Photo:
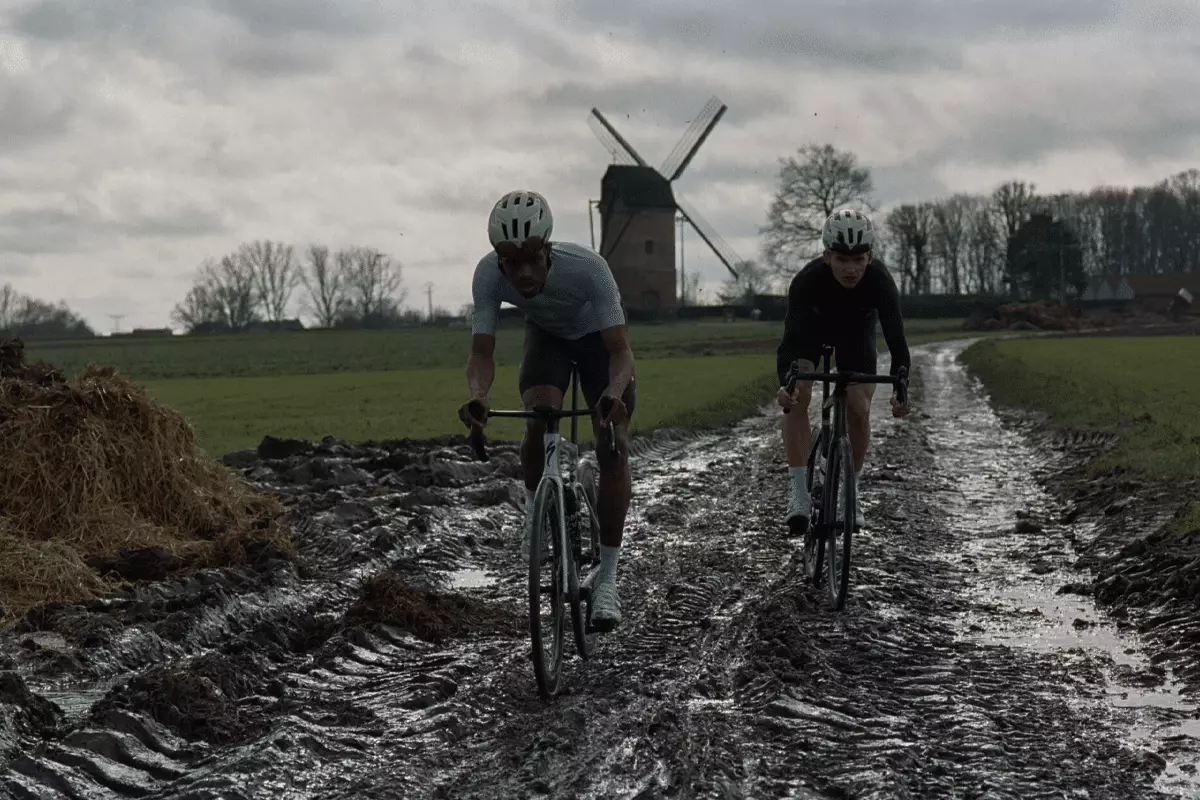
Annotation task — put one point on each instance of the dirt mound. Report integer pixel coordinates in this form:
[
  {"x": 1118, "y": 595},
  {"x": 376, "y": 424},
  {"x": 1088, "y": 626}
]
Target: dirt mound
[
  {"x": 99, "y": 484},
  {"x": 429, "y": 615},
  {"x": 1041, "y": 315},
  {"x": 186, "y": 701}
]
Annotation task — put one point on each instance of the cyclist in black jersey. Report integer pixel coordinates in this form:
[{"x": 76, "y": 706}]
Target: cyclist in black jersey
[{"x": 836, "y": 299}]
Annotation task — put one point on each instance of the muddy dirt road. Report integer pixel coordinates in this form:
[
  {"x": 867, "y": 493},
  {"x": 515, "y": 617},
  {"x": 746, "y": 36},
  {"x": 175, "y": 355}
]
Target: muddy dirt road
[{"x": 960, "y": 668}]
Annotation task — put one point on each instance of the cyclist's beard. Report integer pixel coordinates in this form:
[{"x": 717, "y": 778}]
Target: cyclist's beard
[{"x": 529, "y": 288}]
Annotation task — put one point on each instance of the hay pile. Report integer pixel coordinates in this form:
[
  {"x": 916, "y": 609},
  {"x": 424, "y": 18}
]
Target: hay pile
[
  {"x": 91, "y": 471},
  {"x": 1040, "y": 315}
]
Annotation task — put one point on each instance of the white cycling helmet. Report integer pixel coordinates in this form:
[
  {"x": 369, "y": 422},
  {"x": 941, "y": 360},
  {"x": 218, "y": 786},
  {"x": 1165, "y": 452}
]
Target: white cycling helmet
[
  {"x": 848, "y": 231},
  {"x": 518, "y": 216}
]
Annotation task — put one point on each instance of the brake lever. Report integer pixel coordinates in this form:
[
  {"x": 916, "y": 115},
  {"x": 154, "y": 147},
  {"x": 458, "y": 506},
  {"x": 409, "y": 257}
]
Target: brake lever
[
  {"x": 475, "y": 435},
  {"x": 605, "y": 408}
]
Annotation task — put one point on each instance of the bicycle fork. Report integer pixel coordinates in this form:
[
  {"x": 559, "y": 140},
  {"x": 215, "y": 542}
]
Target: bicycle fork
[{"x": 552, "y": 470}]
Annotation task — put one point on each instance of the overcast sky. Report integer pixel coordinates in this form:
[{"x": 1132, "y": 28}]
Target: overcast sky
[{"x": 142, "y": 136}]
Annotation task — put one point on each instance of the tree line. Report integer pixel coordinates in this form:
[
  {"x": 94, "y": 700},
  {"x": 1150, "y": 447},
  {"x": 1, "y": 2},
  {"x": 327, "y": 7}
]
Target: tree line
[
  {"x": 27, "y": 317},
  {"x": 355, "y": 287},
  {"x": 1011, "y": 242}
]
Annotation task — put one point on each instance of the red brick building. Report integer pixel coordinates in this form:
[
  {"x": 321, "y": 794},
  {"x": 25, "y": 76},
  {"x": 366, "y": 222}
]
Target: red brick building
[{"x": 637, "y": 236}]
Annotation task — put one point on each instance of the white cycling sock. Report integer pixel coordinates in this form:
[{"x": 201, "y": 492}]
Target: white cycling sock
[
  {"x": 608, "y": 563},
  {"x": 799, "y": 479}
]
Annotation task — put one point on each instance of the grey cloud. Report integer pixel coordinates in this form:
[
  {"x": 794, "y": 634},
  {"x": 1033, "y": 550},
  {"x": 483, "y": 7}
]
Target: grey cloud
[
  {"x": 270, "y": 18},
  {"x": 875, "y": 34},
  {"x": 57, "y": 230},
  {"x": 42, "y": 230},
  {"x": 145, "y": 19},
  {"x": 672, "y": 103},
  {"x": 281, "y": 39},
  {"x": 31, "y": 115}
]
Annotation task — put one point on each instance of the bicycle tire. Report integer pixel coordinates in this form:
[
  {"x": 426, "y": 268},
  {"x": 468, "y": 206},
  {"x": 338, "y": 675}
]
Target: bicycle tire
[
  {"x": 814, "y": 539},
  {"x": 546, "y": 505},
  {"x": 581, "y": 607},
  {"x": 588, "y": 477},
  {"x": 841, "y": 478}
]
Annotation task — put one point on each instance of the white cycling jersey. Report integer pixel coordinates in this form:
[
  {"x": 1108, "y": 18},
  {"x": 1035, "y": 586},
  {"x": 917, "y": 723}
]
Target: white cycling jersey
[{"x": 580, "y": 295}]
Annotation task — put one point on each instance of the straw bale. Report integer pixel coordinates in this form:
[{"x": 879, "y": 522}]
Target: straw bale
[{"x": 91, "y": 469}]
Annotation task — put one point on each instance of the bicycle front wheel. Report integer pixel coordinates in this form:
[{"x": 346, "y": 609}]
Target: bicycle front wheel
[
  {"x": 840, "y": 502},
  {"x": 814, "y": 537},
  {"x": 546, "y": 589}
]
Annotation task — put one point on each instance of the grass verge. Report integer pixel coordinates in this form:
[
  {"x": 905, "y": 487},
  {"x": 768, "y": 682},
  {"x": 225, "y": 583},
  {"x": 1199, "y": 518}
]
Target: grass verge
[
  {"x": 691, "y": 393},
  {"x": 1144, "y": 389}
]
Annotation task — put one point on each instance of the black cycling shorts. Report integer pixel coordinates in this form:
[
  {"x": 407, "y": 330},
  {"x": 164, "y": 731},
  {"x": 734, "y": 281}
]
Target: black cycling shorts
[
  {"x": 854, "y": 347},
  {"x": 546, "y": 361}
]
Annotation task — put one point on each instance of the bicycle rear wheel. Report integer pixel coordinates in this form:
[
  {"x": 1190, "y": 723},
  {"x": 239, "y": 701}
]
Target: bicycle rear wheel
[
  {"x": 546, "y": 632},
  {"x": 581, "y": 597},
  {"x": 814, "y": 537},
  {"x": 840, "y": 501}
]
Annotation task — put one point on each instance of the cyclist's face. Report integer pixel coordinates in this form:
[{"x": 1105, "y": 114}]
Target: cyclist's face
[
  {"x": 847, "y": 269},
  {"x": 526, "y": 271}
]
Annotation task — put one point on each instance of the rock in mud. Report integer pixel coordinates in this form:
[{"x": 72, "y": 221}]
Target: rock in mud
[{"x": 272, "y": 448}]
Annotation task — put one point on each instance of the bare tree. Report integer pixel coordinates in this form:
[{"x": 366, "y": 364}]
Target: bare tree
[
  {"x": 272, "y": 268},
  {"x": 911, "y": 226},
  {"x": 10, "y": 305},
  {"x": 691, "y": 289},
  {"x": 983, "y": 248},
  {"x": 949, "y": 216},
  {"x": 326, "y": 285},
  {"x": 752, "y": 279},
  {"x": 198, "y": 309},
  {"x": 811, "y": 188},
  {"x": 372, "y": 283},
  {"x": 223, "y": 296}
]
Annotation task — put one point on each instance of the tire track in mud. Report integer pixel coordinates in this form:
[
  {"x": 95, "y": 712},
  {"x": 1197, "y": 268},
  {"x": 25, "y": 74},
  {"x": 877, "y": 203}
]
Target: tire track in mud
[{"x": 728, "y": 677}]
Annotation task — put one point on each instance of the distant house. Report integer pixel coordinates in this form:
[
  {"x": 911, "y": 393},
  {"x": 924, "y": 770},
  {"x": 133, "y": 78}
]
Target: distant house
[
  {"x": 1108, "y": 289},
  {"x": 274, "y": 326},
  {"x": 1151, "y": 292},
  {"x": 141, "y": 333},
  {"x": 1161, "y": 289}
]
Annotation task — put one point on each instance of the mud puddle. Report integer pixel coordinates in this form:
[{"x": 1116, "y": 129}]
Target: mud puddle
[
  {"x": 729, "y": 678},
  {"x": 1021, "y": 558}
]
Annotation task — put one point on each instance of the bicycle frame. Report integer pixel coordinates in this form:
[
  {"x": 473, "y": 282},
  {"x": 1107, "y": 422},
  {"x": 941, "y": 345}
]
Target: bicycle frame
[{"x": 552, "y": 464}]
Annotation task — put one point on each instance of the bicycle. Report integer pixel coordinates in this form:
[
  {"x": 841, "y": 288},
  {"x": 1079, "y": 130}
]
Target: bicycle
[
  {"x": 831, "y": 447},
  {"x": 560, "y": 506}
]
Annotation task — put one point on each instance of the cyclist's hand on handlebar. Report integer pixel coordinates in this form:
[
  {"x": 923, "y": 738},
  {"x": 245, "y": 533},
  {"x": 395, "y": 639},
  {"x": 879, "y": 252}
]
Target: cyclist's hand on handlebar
[
  {"x": 899, "y": 410},
  {"x": 473, "y": 413},
  {"x": 787, "y": 399},
  {"x": 612, "y": 411}
]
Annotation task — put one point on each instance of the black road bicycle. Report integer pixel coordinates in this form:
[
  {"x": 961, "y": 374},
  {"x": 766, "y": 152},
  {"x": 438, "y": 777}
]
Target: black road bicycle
[
  {"x": 831, "y": 476},
  {"x": 564, "y": 513}
]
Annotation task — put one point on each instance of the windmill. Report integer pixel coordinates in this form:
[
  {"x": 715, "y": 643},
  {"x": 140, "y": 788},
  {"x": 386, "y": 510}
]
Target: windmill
[{"x": 637, "y": 208}]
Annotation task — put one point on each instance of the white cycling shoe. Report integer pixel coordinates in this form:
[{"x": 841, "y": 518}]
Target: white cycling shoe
[
  {"x": 606, "y": 606},
  {"x": 799, "y": 508}
]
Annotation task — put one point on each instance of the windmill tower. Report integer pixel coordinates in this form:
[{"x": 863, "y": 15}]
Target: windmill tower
[{"x": 637, "y": 208}]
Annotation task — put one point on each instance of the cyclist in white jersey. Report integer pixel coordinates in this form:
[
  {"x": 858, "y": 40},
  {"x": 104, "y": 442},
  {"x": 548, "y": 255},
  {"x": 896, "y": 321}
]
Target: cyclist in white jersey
[{"x": 573, "y": 312}]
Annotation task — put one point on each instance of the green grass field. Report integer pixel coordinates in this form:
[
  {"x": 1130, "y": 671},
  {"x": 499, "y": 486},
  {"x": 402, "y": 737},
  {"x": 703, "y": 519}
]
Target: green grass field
[
  {"x": 1145, "y": 389},
  {"x": 323, "y": 352},
  {"x": 359, "y": 385}
]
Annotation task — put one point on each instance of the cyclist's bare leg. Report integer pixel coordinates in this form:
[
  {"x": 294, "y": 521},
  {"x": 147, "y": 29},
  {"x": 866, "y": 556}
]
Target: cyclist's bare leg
[
  {"x": 532, "y": 451},
  {"x": 615, "y": 485},
  {"x": 858, "y": 420},
  {"x": 797, "y": 431}
]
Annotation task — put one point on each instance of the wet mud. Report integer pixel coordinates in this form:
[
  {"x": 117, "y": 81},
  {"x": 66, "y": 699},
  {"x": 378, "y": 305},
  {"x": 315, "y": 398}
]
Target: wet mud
[{"x": 388, "y": 657}]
